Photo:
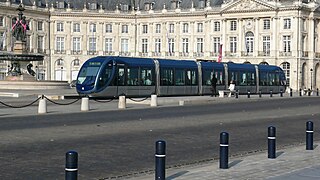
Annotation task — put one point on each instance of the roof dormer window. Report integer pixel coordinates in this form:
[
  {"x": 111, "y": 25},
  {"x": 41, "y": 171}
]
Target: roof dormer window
[
  {"x": 60, "y": 5},
  {"x": 125, "y": 7},
  {"x": 93, "y": 6},
  {"x": 201, "y": 4}
]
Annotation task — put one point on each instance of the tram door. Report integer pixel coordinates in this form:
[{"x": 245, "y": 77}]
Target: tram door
[{"x": 120, "y": 80}]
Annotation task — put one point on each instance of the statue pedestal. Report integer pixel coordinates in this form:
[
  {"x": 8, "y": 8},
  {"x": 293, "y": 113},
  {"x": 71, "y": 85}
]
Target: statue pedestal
[{"x": 19, "y": 47}]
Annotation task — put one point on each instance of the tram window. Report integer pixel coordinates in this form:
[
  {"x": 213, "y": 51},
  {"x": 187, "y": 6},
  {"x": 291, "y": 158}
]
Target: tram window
[
  {"x": 147, "y": 77},
  {"x": 263, "y": 79},
  {"x": 194, "y": 80},
  {"x": 105, "y": 76},
  {"x": 234, "y": 76},
  {"x": 166, "y": 78},
  {"x": 219, "y": 76},
  {"x": 277, "y": 79},
  {"x": 121, "y": 78},
  {"x": 206, "y": 77},
  {"x": 271, "y": 79},
  {"x": 243, "y": 79},
  {"x": 252, "y": 78},
  {"x": 132, "y": 75},
  {"x": 179, "y": 77}
]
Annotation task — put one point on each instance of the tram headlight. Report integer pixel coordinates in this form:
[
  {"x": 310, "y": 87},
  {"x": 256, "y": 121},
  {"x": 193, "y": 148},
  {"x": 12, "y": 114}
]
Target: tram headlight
[{"x": 82, "y": 88}]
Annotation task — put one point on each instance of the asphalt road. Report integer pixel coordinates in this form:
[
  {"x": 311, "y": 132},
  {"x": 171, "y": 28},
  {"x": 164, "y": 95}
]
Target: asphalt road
[{"x": 121, "y": 143}]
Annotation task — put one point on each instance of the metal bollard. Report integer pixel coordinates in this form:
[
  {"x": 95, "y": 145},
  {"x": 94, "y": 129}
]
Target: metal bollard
[
  {"x": 317, "y": 91},
  {"x": 309, "y": 92},
  {"x": 85, "y": 104},
  {"x": 271, "y": 142},
  {"x": 270, "y": 93},
  {"x": 224, "y": 150},
  {"x": 281, "y": 93},
  {"x": 290, "y": 92},
  {"x": 309, "y": 135},
  {"x": 122, "y": 102},
  {"x": 248, "y": 94},
  {"x": 260, "y": 94},
  {"x": 300, "y": 92},
  {"x": 237, "y": 94},
  {"x": 71, "y": 170},
  {"x": 42, "y": 108},
  {"x": 153, "y": 102},
  {"x": 160, "y": 160}
]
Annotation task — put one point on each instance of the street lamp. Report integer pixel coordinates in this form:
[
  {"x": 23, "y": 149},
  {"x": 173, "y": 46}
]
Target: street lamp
[{"x": 311, "y": 77}]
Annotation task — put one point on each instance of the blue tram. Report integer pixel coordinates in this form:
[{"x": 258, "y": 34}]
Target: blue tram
[{"x": 111, "y": 76}]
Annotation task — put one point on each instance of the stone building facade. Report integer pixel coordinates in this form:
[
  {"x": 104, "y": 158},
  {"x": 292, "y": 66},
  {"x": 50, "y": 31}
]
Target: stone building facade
[{"x": 275, "y": 32}]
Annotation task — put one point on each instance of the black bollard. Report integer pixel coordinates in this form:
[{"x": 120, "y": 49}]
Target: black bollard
[
  {"x": 309, "y": 92},
  {"x": 309, "y": 135},
  {"x": 224, "y": 150},
  {"x": 270, "y": 93},
  {"x": 317, "y": 91},
  {"x": 271, "y": 142},
  {"x": 248, "y": 94},
  {"x": 260, "y": 93},
  {"x": 71, "y": 170},
  {"x": 237, "y": 94},
  {"x": 281, "y": 93},
  {"x": 290, "y": 92},
  {"x": 300, "y": 92},
  {"x": 160, "y": 160}
]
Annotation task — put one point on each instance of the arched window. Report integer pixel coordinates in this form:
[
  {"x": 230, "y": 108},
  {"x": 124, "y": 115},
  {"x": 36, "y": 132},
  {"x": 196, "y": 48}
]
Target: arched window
[
  {"x": 304, "y": 76},
  {"x": 286, "y": 68},
  {"x": 59, "y": 62},
  {"x": 249, "y": 38},
  {"x": 76, "y": 62}
]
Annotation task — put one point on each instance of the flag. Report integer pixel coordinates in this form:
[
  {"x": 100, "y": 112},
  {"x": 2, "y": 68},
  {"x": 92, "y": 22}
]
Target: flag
[{"x": 220, "y": 53}]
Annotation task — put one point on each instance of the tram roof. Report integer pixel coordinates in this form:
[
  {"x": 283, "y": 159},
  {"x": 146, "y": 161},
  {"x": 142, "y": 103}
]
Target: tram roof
[
  {"x": 214, "y": 65},
  {"x": 263, "y": 67},
  {"x": 236, "y": 66},
  {"x": 168, "y": 63}
]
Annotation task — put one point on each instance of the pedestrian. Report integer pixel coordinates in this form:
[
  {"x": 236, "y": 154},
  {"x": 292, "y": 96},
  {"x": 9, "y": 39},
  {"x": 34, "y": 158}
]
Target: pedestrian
[{"x": 214, "y": 86}]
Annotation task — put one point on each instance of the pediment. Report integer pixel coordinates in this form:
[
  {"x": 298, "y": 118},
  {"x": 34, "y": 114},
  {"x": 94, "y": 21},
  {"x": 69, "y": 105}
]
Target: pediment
[{"x": 247, "y": 5}]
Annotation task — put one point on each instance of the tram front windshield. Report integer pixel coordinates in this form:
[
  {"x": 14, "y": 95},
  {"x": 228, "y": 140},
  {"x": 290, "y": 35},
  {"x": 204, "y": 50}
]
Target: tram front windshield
[{"x": 87, "y": 75}]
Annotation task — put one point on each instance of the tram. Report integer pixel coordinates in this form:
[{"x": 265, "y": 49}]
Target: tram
[{"x": 111, "y": 76}]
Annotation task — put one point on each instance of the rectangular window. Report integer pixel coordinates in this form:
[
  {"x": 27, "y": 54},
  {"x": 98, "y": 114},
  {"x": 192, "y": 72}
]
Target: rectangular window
[
  {"x": 158, "y": 45},
  {"x": 124, "y": 45},
  {"x": 144, "y": 45},
  {"x": 179, "y": 77},
  {"x": 60, "y": 44},
  {"x": 144, "y": 29},
  {"x": 185, "y": 45},
  {"x": 233, "y": 44},
  {"x": 92, "y": 44},
  {"x": 216, "y": 44},
  {"x": 158, "y": 28},
  {"x": 108, "y": 28},
  {"x": 93, "y": 27},
  {"x": 40, "y": 25},
  {"x": 147, "y": 77},
  {"x": 200, "y": 27},
  {"x": 216, "y": 26},
  {"x": 266, "y": 24},
  {"x": 266, "y": 45},
  {"x": 76, "y": 44},
  {"x": 108, "y": 46},
  {"x": 171, "y": 45},
  {"x": 76, "y": 27},
  {"x": 287, "y": 23},
  {"x": 60, "y": 27},
  {"x": 124, "y": 29},
  {"x": 286, "y": 43},
  {"x": 233, "y": 25},
  {"x": 199, "y": 45},
  {"x": 185, "y": 28},
  {"x": 171, "y": 28},
  {"x": 132, "y": 76},
  {"x": 40, "y": 44},
  {"x": 1, "y": 21}
]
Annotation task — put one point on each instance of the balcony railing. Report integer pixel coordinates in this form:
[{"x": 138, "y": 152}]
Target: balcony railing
[
  {"x": 282, "y": 53},
  {"x": 184, "y": 54},
  {"x": 124, "y": 54},
  {"x": 92, "y": 52},
  {"x": 231, "y": 54},
  {"x": 110, "y": 53},
  {"x": 42, "y": 51},
  {"x": 170, "y": 54},
  {"x": 76, "y": 52},
  {"x": 263, "y": 53},
  {"x": 156, "y": 54},
  {"x": 198, "y": 54},
  {"x": 304, "y": 53},
  {"x": 215, "y": 54},
  {"x": 59, "y": 51}
]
